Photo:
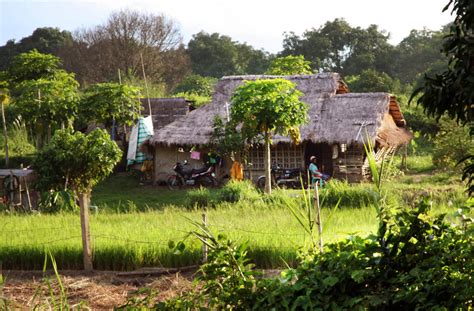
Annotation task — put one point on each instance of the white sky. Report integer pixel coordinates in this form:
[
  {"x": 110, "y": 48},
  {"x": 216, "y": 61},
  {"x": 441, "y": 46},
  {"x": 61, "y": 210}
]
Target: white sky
[{"x": 260, "y": 23}]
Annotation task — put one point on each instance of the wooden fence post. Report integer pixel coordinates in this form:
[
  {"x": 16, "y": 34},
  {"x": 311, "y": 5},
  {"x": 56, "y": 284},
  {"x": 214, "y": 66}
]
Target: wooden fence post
[{"x": 86, "y": 238}]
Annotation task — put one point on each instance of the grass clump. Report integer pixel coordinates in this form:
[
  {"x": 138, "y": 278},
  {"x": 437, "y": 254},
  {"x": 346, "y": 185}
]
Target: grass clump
[
  {"x": 356, "y": 195},
  {"x": 236, "y": 191},
  {"x": 200, "y": 197}
]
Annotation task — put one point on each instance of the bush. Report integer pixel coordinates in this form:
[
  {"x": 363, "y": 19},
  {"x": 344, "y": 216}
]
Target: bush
[
  {"x": 419, "y": 263},
  {"x": 451, "y": 144},
  {"x": 357, "y": 195},
  {"x": 235, "y": 191},
  {"x": 201, "y": 197}
]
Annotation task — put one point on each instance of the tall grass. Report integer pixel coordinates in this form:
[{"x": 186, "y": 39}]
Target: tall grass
[
  {"x": 128, "y": 241},
  {"x": 20, "y": 148}
]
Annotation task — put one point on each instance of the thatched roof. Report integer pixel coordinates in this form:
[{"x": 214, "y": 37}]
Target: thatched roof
[
  {"x": 333, "y": 117},
  {"x": 165, "y": 110}
]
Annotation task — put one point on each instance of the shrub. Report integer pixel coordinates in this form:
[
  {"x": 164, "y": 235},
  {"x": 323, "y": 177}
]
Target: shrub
[
  {"x": 349, "y": 195},
  {"x": 422, "y": 264},
  {"x": 200, "y": 197},
  {"x": 451, "y": 144},
  {"x": 235, "y": 191},
  {"x": 417, "y": 263}
]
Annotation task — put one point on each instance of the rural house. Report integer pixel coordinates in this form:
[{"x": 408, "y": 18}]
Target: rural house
[{"x": 338, "y": 124}]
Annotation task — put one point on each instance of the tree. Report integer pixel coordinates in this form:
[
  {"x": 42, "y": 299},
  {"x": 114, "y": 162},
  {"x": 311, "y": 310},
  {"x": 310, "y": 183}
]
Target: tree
[
  {"x": 336, "y": 46},
  {"x": 218, "y": 55},
  {"x": 78, "y": 162},
  {"x": 289, "y": 65},
  {"x": 32, "y": 66},
  {"x": 267, "y": 107},
  {"x": 416, "y": 53},
  {"x": 46, "y": 40},
  {"x": 371, "y": 81},
  {"x": 452, "y": 143},
  {"x": 43, "y": 94},
  {"x": 122, "y": 42},
  {"x": 451, "y": 92},
  {"x": 4, "y": 100},
  {"x": 203, "y": 86},
  {"x": 108, "y": 102}
]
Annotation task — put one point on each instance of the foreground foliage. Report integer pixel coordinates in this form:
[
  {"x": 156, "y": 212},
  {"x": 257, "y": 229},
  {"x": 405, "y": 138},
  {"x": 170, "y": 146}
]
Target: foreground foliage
[{"x": 422, "y": 263}]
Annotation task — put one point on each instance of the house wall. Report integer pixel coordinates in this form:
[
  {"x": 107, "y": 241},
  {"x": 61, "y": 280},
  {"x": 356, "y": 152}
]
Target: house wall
[
  {"x": 165, "y": 158},
  {"x": 349, "y": 163}
]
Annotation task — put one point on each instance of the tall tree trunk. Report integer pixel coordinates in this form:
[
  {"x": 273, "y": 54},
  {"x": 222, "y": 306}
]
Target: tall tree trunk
[
  {"x": 268, "y": 168},
  {"x": 5, "y": 134},
  {"x": 84, "y": 198}
]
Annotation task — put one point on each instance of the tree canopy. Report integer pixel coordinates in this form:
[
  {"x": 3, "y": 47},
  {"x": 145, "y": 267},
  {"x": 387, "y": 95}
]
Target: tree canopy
[
  {"x": 289, "y": 65},
  {"x": 267, "y": 107},
  {"x": 217, "y": 55},
  {"x": 46, "y": 40},
  {"x": 76, "y": 161},
  {"x": 451, "y": 91},
  {"x": 105, "y": 102}
]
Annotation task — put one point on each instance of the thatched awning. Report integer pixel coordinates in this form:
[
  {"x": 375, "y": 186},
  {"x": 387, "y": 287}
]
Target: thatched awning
[{"x": 334, "y": 117}]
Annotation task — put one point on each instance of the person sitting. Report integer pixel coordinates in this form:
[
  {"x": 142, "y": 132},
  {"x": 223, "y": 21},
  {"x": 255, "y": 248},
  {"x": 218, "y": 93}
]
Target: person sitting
[{"x": 316, "y": 174}]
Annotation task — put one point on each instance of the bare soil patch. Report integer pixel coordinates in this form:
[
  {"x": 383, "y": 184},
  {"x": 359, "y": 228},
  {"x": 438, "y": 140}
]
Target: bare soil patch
[{"x": 100, "y": 290}]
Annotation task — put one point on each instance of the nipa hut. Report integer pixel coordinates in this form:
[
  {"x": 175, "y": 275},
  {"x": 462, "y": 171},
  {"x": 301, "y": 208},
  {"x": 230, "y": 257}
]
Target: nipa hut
[{"x": 339, "y": 122}]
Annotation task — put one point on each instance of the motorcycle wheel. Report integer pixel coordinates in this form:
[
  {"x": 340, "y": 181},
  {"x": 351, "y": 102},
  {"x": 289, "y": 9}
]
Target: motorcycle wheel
[
  {"x": 205, "y": 181},
  {"x": 261, "y": 183},
  {"x": 174, "y": 182}
]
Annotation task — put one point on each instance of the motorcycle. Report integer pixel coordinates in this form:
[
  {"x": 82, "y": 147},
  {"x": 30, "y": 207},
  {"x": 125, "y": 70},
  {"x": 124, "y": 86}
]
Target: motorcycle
[
  {"x": 204, "y": 176},
  {"x": 285, "y": 178}
]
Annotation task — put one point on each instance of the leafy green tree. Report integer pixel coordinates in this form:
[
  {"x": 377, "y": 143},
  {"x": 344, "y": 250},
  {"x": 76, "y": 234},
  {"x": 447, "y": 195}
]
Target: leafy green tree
[
  {"x": 452, "y": 144},
  {"x": 46, "y": 40},
  {"x": 372, "y": 81},
  {"x": 47, "y": 104},
  {"x": 218, "y": 55},
  {"x": 289, "y": 65},
  {"x": 213, "y": 55},
  {"x": 43, "y": 94},
  {"x": 339, "y": 47},
  {"x": 106, "y": 102},
  {"x": 418, "y": 52},
  {"x": 267, "y": 107},
  {"x": 78, "y": 162},
  {"x": 451, "y": 92},
  {"x": 32, "y": 65},
  {"x": 203, "y": 86}
]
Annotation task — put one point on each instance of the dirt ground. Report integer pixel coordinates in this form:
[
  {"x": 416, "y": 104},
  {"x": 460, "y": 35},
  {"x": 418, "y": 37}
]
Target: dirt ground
[{"x": 100, "y": 290}]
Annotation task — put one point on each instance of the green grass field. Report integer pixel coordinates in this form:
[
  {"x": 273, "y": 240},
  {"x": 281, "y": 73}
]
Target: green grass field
[{"x": 134, "y": 224}]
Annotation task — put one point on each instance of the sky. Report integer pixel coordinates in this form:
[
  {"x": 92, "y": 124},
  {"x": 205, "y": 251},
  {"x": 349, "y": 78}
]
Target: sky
[{"x": 260, "y": 23}]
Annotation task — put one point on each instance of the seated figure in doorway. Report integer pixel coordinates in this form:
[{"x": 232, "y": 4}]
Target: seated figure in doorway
[{"x": 316, "y": 174}]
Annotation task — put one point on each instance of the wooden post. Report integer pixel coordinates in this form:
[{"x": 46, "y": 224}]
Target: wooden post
[
  {"x": 318, "y": 215},
  {"x": 27, "y": 194},
  {"x": 204, "y": 246},
  {"x": 155, "y": 165},
  {"x": 267, "y": 165},
  {"x": 5, "y": 135},
  {"x": 86, "y": 238}
]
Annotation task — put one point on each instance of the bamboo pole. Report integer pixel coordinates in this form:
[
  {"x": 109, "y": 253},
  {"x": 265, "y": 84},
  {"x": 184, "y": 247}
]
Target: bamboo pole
[
  {"x": 146, "y": 85},
  {"x": 318, "y": 215}
]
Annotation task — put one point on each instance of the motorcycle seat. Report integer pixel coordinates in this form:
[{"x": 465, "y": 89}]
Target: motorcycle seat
[{"x": 199, "y": 170}]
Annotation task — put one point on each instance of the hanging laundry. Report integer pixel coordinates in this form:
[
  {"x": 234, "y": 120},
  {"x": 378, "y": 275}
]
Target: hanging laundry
[
  {"x": 237, "y": 171},
  {"x": 140, "y": 132}
]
